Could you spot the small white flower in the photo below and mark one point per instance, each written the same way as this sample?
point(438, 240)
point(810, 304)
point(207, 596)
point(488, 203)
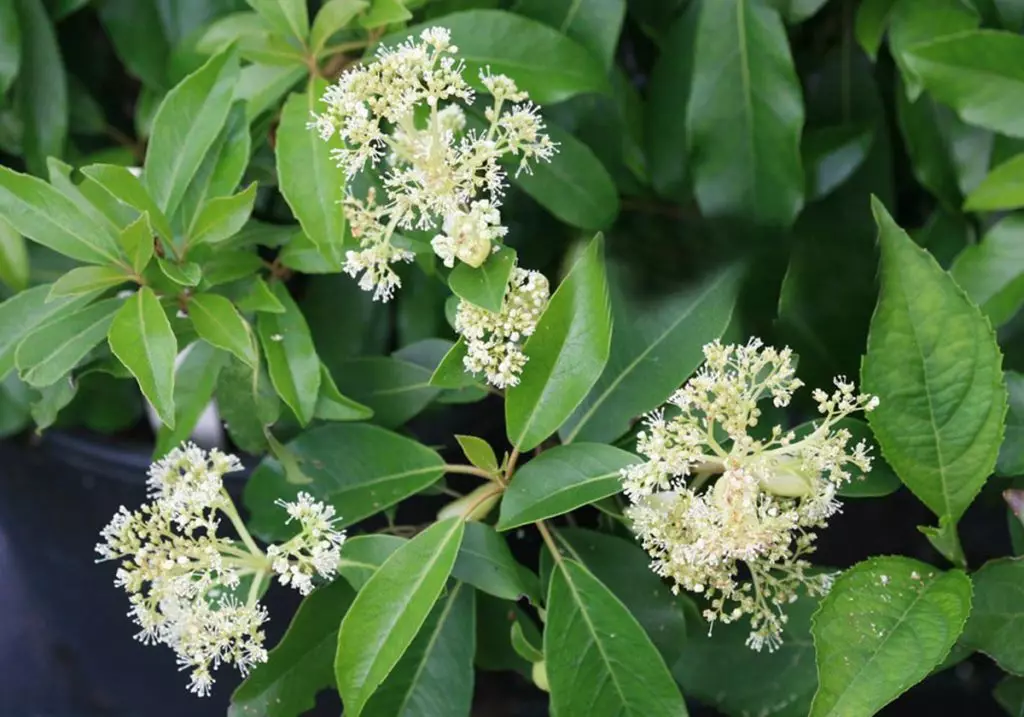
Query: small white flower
point(315, 551)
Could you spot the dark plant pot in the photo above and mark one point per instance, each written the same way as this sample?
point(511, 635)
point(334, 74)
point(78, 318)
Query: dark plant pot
point(66, 643)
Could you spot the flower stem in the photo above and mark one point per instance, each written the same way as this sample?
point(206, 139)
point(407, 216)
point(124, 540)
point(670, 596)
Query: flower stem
point(232, 513)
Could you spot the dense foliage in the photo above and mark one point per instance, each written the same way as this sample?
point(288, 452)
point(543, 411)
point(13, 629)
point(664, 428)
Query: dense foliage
point(523, 353)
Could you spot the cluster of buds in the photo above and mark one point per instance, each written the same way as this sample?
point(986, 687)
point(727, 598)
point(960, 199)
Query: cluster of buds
point(767, 498)
point(195, 590)
point(405, 110)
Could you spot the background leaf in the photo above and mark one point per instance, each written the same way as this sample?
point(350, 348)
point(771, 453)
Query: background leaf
point(218, 322)
point(42, 87)
point(990, 272)
point(291, 357)
point(595, 25)
point(486, 563)
point(883, 627)
point(996, 624)
point(195, 379)
point(10, 46)
point(567, 353)
point(47, 354)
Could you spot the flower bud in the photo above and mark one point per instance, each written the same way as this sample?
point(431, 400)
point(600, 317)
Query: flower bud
point(474, 251)
point(787, 480)
point(540, 676)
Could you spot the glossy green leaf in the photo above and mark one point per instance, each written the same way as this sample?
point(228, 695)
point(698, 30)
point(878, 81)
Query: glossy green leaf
point(24, 312)
point(996, 624)
point(41, 91)
point(745, 115)
point(479, 452)
point(186, 274)
point(396, 390)
point(1003, 188)
point(360, 469)
point(87, 279)
point(882, 628)
point(656, 344)
point(247, 404)
point(262, 86)
point(990, 272)
point(142, 339)
point(10, 46)
point(125, 187)
point(721, 671)
point(976, 74)
point(260, 298)
point(288, 17)
point(451, 371)
point(384, 12)
point(871, 23)
point(568, 350)
point(595, 25)
point(574, 186)
point(301, 664)
point(435, 675)
point(624, 568)
point(332, 405)
point(933, 360)
point(47, 354)
point(523, 647)
point(484, 285)
point(311, 181)
point(333, 16)
point(51, 401)
point(291, 357)
point(195, 379)
point(186, 126)
point(599, 660)
point(541, 60)
point(223, 217)
point(1011, 453)
point(361, 555)
point(486, 563)
point(44, 215)
point(561, 480)
point(390, 609)
point(911, 23)
point(218, 322)
point(14, 265)
point(137, 242)
point(139, 38)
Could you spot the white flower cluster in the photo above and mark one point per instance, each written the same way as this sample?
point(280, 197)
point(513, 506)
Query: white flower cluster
point(403, 109)
point(494, 340)
point(768, 495)
point(182, 576)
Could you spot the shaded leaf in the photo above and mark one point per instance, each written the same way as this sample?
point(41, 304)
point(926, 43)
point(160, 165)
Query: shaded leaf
point(485, 285)
point(486, 563)
point(996, 624)
point(42, 89)
point(195, 379)
point(218, 322)
point(291, 357)
point(595, 25)
point(47, 354)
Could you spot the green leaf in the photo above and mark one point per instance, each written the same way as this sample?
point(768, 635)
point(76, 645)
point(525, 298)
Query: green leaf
point(310, 180)
point(486, 563)
point(595, 25)
point(52, 400)
point(624, 568)
point(542, 61)
point(871, 23)
point(1009, 693)
point(357, 468)
point(435, 675)
point(10, 46)
point(721, 671)
point(47, 354)
point(574, 186)
point(562, 479)
point(833, 154)
point(396, 390)
point(451, 371)
point(86, 280)
point(333, 16)
point(912, 23)
point(976, 74)
point(42, 91)
point(218, 322)
point(883, 627)
point(44, 215)
point(194, 382)
point(142, 339)
point(125, 187)
point(523, 647)
point(139, 38)
point(390, 609)
point(223, 217)
point(186, 126)
point(384, 12)
point(291, 357)
point(247, 405)
point(301, 664)
point(598, 656)
point(363, 554)
point(656, 345)
point(332, 405)
point(186, 274)
point(1011, 453)
point(14, 266)
point(567, 353)
point(484, 285)
point(25, 311)
point(137, 241)
point(230, 265)
point(933, 360)
point(479, 452)
point(745, 115)
point(1003, 188)
point(260, 298)
point(992, 271)
point(262, 86)
point(996, 624)
point(288, 17)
